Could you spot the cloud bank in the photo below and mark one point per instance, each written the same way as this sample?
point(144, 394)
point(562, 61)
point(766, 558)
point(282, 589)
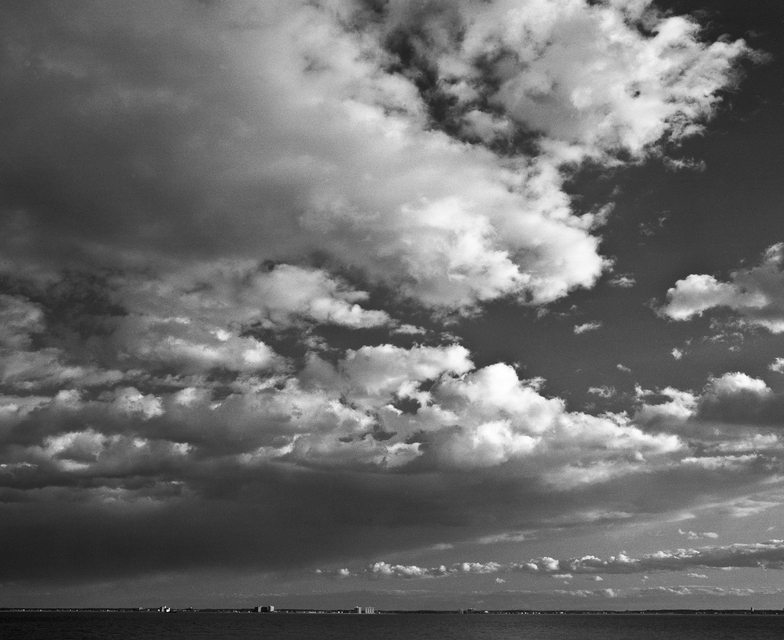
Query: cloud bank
point(762, 555)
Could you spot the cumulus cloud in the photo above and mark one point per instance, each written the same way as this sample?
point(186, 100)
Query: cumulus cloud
point(777, 365)
point(309, 144)
point(677, 406)
point(605, 86)
point(314, 142)
point(733, 398)
point(243, 292)
point(167, 448)
point(756, 294)
point(762, 555)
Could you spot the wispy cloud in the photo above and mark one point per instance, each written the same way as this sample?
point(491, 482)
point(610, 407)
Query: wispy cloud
point(588, 326)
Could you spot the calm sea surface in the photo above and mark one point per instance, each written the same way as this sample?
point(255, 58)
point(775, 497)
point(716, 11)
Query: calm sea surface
point(197, 626)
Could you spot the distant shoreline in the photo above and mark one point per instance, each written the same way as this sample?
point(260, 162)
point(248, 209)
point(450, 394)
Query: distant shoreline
point(766, 612)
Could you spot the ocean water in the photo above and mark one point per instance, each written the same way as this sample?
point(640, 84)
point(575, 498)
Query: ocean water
point(231, 626)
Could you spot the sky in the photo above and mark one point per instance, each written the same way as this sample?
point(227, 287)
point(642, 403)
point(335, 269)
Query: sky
point(425, 305)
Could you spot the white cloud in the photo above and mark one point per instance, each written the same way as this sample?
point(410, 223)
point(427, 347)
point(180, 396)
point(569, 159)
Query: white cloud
point(342, 417)
point(693, 535)
point(732, 384)
point(243, 292)
point(679, 406)
point(679, 164)
point(746, 507)
point(777, 365)
point(26, 368)
point(761, 555)
point(503, 537)
point(756, 293)
point(310, 143)
point(383, 569)
point(732, 398)
point(590, 81)
point(603, 392)
point(588, 326)
point(623, 281)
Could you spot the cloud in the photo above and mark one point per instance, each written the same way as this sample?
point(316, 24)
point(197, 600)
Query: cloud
point(265, 160)
point(733, 398)
point(777, 365)
point(693, 535)
point(504, 537)
point(602, 88)
point(679, 164)
point(189, 451)
point(623, 281)
point(687, 591)
point(762, 555)
point(190, 438)
point(745, 507)
point(19, 320)
point(244, 292)
point(678, 407)
point(198, 195)
point(756, 294)
point(314, 143)
point(588, 326)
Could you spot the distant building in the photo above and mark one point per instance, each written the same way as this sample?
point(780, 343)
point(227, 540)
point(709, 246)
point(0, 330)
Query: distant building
point(164, 609)
point(364, 609)
point(265, 609)
point(370, 609)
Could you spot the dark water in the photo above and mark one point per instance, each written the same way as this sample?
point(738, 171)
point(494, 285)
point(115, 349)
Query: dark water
point(198, 626)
